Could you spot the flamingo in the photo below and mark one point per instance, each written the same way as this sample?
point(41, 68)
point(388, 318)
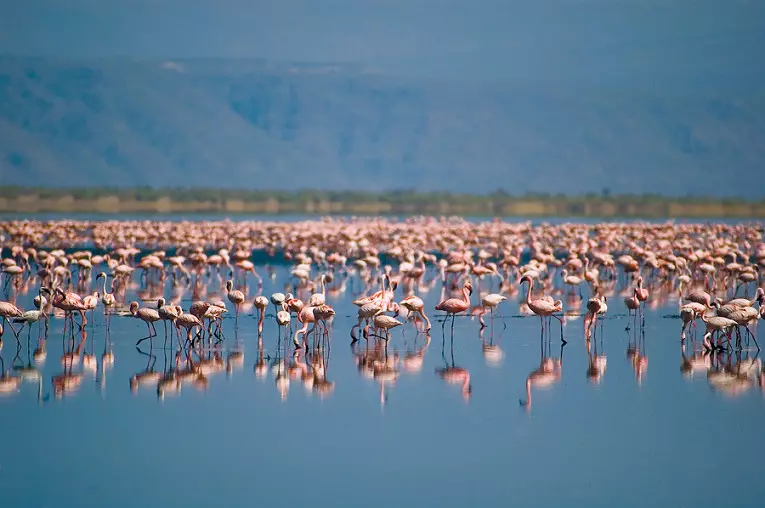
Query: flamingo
point(688, 314)
point(304, 317)
point(69, 302)
point(641, 292)
point(91, 302)
point(453, 306)
point(107, 299)
point(414, 304)
point(236, 297)
point(187, 321)
point(9, 310)
point(167, 313)
point(491, 301)
point(319, 298)
point(595, 306)
point(283, 319)
point(365, 313)
point(31, 316)
point(261, 302)
point(716, 324)
point(633, 304)
point(543, 307)
point(386, 323)
point(148, 316)
point(572, 281)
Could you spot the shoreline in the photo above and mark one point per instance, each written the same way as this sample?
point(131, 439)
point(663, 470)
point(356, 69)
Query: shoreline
point(317, 203)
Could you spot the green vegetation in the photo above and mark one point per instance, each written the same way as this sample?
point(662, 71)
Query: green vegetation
point(236, 201)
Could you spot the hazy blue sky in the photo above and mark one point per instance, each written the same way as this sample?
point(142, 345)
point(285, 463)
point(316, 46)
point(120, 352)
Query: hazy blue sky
point(604, 40)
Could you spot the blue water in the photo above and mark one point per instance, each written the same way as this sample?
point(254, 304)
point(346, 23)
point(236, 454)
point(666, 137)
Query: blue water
point(661, 438)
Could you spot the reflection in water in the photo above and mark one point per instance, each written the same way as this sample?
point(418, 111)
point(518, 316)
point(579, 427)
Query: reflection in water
point(453, 374)
point(636, 352)
point(547, 374)
point(729, 372)
point(492, 353)
point(597, 362)
point(206, 353)
point(733, 373)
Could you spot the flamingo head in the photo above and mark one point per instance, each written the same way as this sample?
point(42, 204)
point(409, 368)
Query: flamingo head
point(133, 307)
point(523, 279)
point(229, 285)
point(760, 296)
point(160, 302)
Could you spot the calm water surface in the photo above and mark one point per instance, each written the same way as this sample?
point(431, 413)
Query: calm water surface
point(644, 434)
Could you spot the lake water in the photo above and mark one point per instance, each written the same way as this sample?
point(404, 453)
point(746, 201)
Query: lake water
point(645, 434)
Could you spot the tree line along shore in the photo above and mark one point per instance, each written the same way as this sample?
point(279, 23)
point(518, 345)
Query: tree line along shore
point(498, 203)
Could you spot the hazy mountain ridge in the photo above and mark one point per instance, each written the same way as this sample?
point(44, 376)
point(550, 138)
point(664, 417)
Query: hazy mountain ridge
point(256, 124)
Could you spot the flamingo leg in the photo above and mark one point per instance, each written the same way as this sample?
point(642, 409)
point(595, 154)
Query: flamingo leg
point(563, 341)
point(150, 336)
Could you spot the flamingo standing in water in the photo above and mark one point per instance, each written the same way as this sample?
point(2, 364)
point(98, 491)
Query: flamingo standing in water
point(633, 304)
point(107, 299)
point(490, 302)
point(305, 316)
point(9, 310)
point(453, 306)
point(91, 302)
point(642, 294)
point(236, 297)
point(595, 306)
point(148, 316)
point(385, 322)
point(543, 307)
point(261, 303)
point(415, 305)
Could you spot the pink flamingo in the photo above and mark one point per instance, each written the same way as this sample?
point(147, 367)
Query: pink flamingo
point(543, 307)
point(415, 305)
point(453, 306)
point(640, 291)
point(69, 302)
point(148, 316)
point(305, 316)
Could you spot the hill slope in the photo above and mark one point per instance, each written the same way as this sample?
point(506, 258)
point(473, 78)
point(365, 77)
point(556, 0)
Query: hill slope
point(254, 124)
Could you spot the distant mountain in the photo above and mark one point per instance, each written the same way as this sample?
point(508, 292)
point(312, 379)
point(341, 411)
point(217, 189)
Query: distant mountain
point(256, 124)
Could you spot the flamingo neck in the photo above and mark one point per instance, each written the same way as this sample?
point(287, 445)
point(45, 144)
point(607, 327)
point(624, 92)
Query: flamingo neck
point(528, 292)
point(465, 295)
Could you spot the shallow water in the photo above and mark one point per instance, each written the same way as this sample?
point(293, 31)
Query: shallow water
point(644, 433)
